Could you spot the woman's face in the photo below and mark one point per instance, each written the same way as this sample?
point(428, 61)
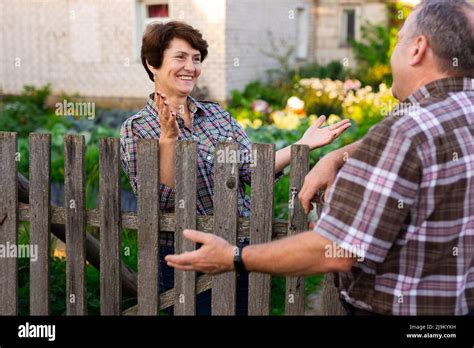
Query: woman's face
point(180, 69)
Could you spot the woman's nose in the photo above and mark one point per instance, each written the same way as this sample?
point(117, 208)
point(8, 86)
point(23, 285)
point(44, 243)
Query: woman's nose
point(189, 66)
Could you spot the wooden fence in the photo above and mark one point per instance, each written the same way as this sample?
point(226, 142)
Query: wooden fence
point(149, 223)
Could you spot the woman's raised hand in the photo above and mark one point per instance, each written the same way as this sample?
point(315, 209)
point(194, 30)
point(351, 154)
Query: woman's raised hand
point(169, 125)
point(315, 136)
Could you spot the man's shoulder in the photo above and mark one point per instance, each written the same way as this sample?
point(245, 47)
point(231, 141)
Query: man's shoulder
point(431, 118)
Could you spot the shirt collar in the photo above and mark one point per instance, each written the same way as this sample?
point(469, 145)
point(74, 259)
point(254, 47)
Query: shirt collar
point(441, 87)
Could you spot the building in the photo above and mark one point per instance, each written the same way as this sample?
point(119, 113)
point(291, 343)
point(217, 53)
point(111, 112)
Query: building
point(91, 47)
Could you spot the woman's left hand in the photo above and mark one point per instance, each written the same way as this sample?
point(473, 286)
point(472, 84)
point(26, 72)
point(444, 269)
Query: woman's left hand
point(316, 137)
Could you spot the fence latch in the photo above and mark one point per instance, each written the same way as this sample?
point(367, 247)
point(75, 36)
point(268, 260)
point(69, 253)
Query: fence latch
point(291, 206)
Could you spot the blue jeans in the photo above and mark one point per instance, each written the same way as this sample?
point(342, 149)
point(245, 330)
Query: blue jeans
point(204, 299)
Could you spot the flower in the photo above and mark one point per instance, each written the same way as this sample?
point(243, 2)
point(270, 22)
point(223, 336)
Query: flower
point(260, 105)
point(285, 120)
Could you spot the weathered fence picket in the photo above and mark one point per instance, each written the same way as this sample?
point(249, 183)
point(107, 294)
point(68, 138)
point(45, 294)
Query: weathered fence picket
point(148, 226)
point(40, 223)
point(109, 185)
point(297, 222)
point(185, 212)
point(261, 223)
point(8, 223)
point(74, 202)
point(226, 184)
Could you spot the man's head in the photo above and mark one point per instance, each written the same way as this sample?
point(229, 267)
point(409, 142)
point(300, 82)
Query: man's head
point(436, 41)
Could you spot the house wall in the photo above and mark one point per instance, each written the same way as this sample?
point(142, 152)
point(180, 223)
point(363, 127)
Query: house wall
point(329, 15)
point(248, 43)
point(89, 47)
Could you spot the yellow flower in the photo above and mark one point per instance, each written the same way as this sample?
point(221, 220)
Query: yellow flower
point(332, 119)
point(287, 121)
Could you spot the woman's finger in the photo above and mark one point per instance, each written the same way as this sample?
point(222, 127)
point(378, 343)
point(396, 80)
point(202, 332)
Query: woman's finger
point(160, 103)
point(339, 124)
point(320, 121)
point(166, 111)
point(341, 129)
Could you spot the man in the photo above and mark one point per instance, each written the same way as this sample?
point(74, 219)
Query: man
point(403, 203)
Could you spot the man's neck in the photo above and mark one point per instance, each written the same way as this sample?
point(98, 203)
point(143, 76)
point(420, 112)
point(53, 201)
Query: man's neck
point(425, 79)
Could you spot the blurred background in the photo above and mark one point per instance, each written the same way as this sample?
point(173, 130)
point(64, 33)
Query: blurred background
point(276, 65)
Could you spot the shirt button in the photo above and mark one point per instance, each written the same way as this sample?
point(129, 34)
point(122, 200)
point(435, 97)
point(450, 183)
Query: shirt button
point(209, 157)
point(229, 138)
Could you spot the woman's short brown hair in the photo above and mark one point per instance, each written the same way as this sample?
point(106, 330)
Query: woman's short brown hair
point(157, 38)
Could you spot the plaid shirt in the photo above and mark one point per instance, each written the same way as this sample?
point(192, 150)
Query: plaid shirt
point(404, 202)
point(211, 124)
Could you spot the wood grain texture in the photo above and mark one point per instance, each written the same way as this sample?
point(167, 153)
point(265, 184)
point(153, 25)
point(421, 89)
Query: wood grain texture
point(40, 223)
point(8, 223)
point(109, 185)
point(185, 210)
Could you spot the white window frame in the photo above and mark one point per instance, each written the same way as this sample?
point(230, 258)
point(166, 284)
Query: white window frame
point(302, 33)
point(142, 20)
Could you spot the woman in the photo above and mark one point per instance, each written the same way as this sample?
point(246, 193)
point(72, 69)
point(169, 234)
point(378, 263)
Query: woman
point(172, 54)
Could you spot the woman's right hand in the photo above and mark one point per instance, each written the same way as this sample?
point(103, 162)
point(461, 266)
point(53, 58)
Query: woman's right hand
point(169, 125)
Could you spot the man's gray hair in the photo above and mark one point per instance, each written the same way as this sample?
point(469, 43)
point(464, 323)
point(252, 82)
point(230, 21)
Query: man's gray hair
point(450, 31)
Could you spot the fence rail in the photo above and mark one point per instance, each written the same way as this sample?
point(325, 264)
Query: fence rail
point(148, 221)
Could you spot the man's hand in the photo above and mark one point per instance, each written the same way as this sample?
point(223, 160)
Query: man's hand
point(321, 177)
point(214, 256)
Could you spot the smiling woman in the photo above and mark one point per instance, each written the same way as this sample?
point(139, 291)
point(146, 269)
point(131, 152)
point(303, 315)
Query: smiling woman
point(172, 54)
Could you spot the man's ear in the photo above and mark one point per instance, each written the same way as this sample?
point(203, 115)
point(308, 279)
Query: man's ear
point(419, 50)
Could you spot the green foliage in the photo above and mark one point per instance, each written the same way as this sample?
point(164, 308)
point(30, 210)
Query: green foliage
point(25, 113)
point(58, 277)
point(333, 70)
point(274, 94)
point(374, 50)
point(373, 54)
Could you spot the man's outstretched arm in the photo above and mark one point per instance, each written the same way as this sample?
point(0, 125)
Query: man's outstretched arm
point(304, 254)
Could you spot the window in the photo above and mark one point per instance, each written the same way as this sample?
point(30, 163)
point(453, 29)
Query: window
point(348, 26)
point(154, 10)
point(157, 11)
point(302, 33)
point(148, 11)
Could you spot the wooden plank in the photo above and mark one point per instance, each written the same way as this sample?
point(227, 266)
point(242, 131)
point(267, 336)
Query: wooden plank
point(185, 210)
point(226, 183)
point(167, 299)
point(109, 184)
point(148, 226)
point(8, 222)
point(167, 221)
point(297, 222)
point(40, 223)
point(74, 201)
point(261, 223)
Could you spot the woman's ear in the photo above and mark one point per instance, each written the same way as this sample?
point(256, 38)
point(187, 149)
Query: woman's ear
point(151, 68)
